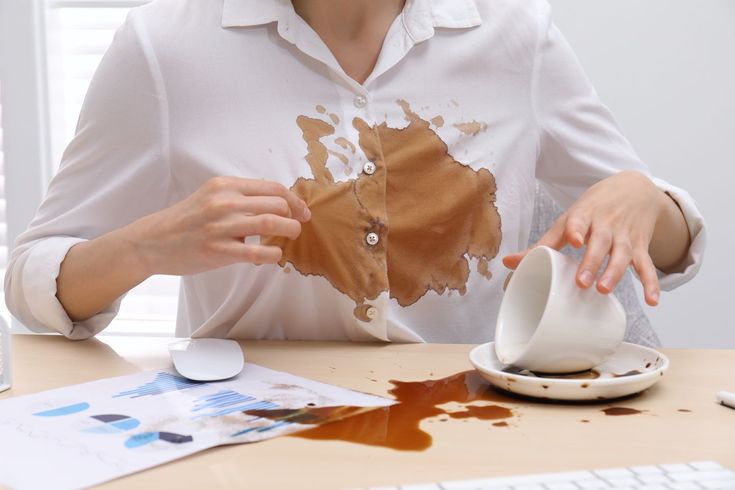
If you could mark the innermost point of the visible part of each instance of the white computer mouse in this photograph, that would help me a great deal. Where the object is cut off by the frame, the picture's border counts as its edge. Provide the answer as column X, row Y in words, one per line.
column 207, row 359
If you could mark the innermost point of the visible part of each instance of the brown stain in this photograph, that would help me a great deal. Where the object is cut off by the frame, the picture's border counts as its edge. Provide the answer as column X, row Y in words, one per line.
column 648, row 365
column 620, row 411
column 429, row 244
column 684, row 410
column 398, row 426
column 471, row 128
column 360, row 312
column 585, row 385
column 334, row 118
column 342, row 157
column 287, row 270
column 501, row 424
column 332, row 243
column 346, row 144
column 320, row 109
column 483, row 267
column 628, row 373
column 585, row 421
column 484, row 412
column 437, row 121
column 309, row 414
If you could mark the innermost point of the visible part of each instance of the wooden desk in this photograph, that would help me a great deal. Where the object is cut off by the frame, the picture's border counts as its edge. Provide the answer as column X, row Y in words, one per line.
column 542, row 437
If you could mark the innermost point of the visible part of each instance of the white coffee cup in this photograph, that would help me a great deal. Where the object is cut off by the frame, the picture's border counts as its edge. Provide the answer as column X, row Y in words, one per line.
column 549, row 324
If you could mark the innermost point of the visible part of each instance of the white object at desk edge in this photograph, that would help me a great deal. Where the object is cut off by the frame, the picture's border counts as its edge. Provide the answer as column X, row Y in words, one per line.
column 726, row 398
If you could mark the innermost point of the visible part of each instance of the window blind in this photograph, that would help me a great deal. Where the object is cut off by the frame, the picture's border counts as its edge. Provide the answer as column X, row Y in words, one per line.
column 79, row 32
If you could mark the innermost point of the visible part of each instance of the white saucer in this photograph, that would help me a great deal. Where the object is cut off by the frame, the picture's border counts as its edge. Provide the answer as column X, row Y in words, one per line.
column 632, row 369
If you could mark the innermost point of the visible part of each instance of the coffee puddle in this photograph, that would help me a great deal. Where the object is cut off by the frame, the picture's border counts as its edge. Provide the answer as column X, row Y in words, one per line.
column 397, row 426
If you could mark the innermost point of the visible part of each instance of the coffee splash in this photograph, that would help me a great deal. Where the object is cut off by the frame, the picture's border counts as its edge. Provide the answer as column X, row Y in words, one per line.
column 398, row 426
column 434, row 211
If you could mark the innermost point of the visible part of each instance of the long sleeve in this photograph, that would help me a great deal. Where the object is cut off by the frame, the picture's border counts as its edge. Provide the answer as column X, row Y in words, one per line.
column 580, row 142
column 114, row 171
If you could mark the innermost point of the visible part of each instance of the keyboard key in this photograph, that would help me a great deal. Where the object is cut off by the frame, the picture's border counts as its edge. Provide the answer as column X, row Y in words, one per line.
column 705, row 465
column 623, row 481
column 562, row 486
column 675, row 468
column 719, row 484
column 702, row 476
column 518, row 480
column 593, row 484
column 684, row 486
column 647, row 470
column 614, row 473
column 654, row 479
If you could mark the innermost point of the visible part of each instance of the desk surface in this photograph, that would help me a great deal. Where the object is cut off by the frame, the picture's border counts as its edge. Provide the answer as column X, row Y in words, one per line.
column 541, row 437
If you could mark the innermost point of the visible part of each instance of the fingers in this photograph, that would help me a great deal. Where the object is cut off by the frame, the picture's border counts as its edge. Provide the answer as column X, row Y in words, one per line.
column 576, row 228
column 598, row 247
column 646, row 271
column 266, row 225
column 511, row 261
column 255, row 205
column 620, row 258
column 254, row 254
column 298, row 207
column 556, row 238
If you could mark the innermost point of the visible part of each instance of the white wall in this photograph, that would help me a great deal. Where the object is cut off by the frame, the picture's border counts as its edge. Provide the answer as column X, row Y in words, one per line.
column 666, row 68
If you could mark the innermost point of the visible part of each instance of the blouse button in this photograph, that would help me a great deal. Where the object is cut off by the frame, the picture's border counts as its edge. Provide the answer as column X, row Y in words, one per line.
column 372, row 238
column 371, row 312
column 369, row 168
column 360, row 101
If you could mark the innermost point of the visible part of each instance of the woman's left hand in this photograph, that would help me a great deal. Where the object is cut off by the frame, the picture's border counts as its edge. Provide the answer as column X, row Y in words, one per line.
column 615, row 217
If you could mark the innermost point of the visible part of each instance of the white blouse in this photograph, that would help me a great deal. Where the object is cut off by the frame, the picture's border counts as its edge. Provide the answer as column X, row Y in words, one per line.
column 419, row 180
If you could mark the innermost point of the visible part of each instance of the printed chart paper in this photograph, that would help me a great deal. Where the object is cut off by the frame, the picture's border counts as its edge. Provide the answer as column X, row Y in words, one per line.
column 86, row 434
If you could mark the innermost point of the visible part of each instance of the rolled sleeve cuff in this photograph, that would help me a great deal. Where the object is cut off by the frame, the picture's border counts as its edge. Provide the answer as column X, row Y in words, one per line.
column 697, row 235
column 39, row 290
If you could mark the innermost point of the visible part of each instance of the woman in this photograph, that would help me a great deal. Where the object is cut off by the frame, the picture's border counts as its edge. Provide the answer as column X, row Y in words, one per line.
column 338, row 169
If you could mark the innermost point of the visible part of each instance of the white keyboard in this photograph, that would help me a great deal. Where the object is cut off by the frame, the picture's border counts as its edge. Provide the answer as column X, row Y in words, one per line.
column 692, row 476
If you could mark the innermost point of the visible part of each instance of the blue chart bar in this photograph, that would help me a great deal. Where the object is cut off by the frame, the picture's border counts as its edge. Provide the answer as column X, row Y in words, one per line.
column 163, row 383
column 228, row 401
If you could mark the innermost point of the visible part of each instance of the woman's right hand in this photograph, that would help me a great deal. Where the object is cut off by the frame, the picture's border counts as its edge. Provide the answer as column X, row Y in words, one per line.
column 207, row 230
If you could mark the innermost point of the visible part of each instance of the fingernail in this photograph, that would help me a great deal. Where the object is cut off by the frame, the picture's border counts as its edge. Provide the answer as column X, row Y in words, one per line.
column 654, row 296
column 586, row 278
column 307, row 214
column 605, row 283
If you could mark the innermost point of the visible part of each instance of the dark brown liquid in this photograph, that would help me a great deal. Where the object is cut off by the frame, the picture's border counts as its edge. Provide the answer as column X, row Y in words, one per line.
column 589, row 374
column 397, row 426
column 621, row 411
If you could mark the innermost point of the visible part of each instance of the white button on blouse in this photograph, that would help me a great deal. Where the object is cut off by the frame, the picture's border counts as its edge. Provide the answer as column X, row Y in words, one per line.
column 360, row 101
column 372, row 238
column 469, row 104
